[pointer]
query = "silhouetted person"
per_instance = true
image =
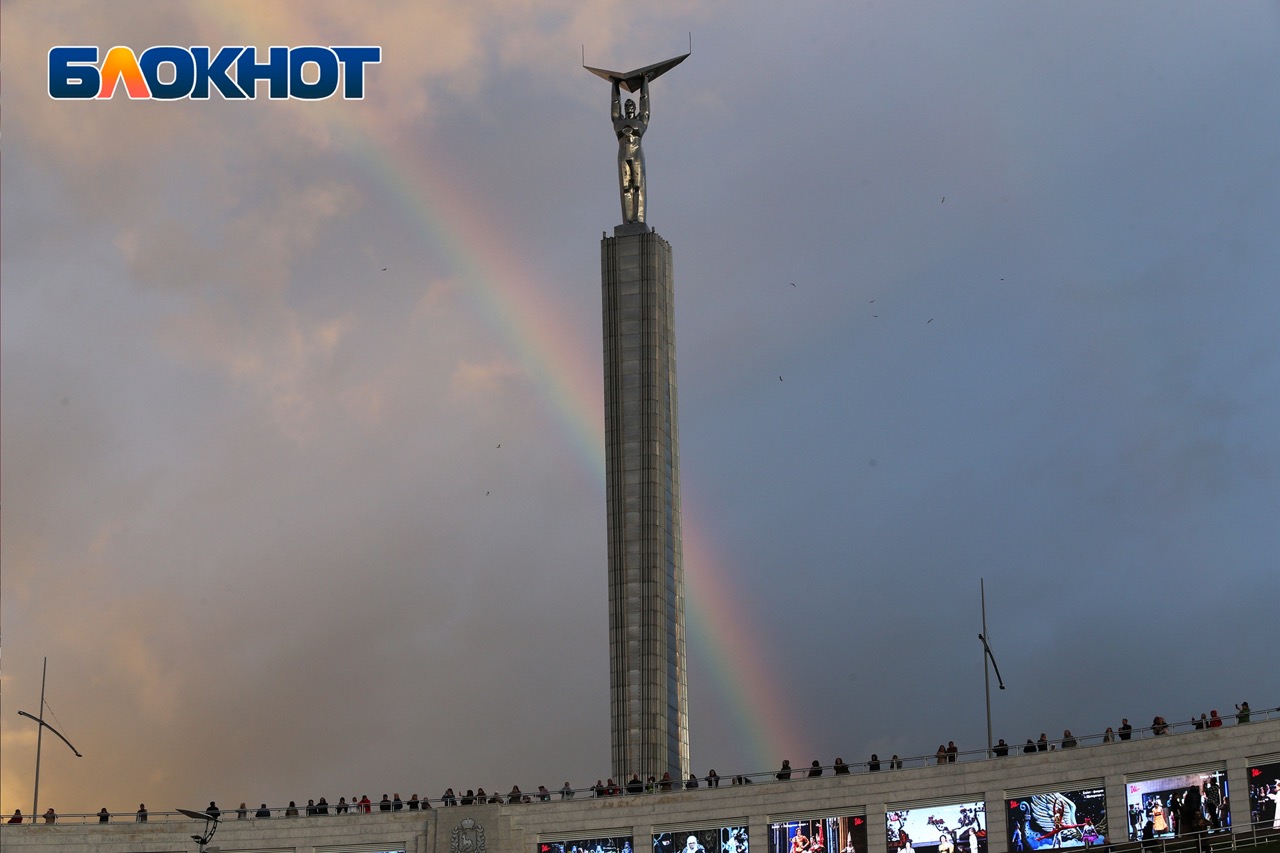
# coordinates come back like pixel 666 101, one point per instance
pixel 840 767
pixel 873 765
pixel 1126 730
pixel 142 813
pixel 104 816
pixel 262 811
pixel 785 773
pixel 1001 749
pixel 815 769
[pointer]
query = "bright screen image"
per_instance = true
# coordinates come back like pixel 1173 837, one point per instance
pixel 722 839
pixel 949 828
pixel 1073 818
pixel 1264 795
pixel 1177 805
pixel 846 834
pixel 611 844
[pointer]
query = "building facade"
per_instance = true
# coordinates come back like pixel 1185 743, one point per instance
pixel 998 805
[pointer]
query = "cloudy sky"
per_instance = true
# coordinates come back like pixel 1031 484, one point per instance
pixel 255 511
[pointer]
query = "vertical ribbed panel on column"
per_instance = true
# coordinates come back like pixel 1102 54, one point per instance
pixel 647 673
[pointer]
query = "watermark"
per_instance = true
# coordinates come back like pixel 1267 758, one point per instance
pixel 170 73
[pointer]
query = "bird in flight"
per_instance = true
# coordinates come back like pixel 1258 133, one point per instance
pixel 779 378
pixel 930 321
pixel 384 269
pixel 944 200
pixel 793 284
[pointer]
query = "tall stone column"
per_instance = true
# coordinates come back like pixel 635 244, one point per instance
pixel 647 673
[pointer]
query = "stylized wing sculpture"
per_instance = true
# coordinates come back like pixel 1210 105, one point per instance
pixel 631 80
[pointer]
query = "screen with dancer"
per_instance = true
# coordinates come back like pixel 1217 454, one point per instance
pixel 721 839
pixel 845 834
pixel 1264 795
pixel 1071 818
pixel 610 844
pixel 1177 805
pixel 948 828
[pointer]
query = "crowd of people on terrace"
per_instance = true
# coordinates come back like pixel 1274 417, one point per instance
pixel 947 754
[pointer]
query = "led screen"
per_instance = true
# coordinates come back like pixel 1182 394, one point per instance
pixel 1071 818
pixel 847 834
pixel 1177 805
pixel 1264 795
pixel 610 844
pixel 722 839
pixel 949 828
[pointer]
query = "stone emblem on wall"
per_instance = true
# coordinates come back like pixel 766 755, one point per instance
pixel 468 837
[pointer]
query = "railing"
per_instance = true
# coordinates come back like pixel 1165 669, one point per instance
pixel 1217 841
pixel 886 765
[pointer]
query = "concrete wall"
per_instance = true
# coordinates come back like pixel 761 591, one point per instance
pixel 518 828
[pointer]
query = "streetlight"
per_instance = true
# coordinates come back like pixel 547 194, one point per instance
pixel 210 827
pixel 35 800
pixel 987 655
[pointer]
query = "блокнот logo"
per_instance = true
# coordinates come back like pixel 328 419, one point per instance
pixel 170 73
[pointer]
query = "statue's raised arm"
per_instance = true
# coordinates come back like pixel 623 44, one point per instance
pixel 629 125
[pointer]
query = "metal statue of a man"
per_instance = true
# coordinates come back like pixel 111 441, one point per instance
pixel 629 124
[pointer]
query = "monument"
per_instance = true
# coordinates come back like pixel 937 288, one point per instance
pixel 648 679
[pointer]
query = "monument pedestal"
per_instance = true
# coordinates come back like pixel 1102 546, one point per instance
pixel 647 674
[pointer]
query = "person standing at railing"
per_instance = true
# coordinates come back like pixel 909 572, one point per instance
pixel 104 816
pixel 1242 712
pixel 17 816
pixel 1126 730
pixel 142 813
pixel 50 816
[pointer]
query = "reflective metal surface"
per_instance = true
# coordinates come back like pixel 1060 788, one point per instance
pixel 629 124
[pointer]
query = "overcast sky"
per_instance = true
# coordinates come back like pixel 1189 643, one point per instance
pixel 964 290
